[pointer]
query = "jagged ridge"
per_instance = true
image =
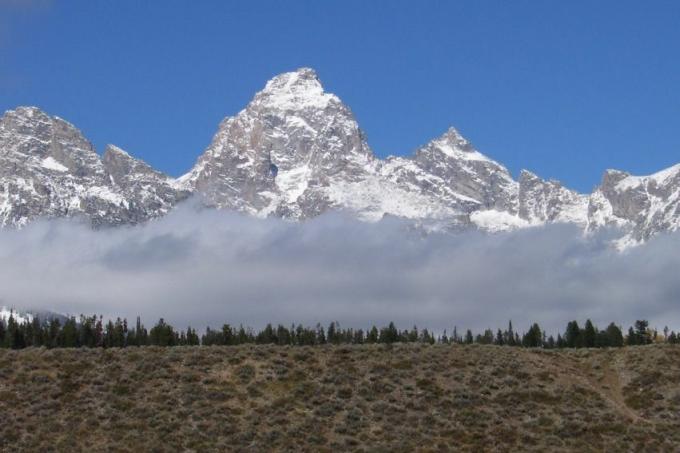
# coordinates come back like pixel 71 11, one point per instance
pixel 296 151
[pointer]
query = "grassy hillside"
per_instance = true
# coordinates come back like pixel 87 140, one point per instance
pixel 372 397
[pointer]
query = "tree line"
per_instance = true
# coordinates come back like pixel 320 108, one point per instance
pixel 92 332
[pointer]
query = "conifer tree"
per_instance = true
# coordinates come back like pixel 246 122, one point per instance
pixel 614 336
pixel 510 335
pixel 390 334
pixel 641 332
pixel 320 334
pixel 550 344
pixel 572 336
pixel 373 335
pixel 673 338
pixel 162 334
pixel 486 338
pixel 500 341
pixel 413 334
pixel 533 338
pixel 589 335
pixel 244 336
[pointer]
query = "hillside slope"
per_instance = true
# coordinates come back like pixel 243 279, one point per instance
pixel 357 398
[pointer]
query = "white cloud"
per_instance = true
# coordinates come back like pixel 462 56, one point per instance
pixel 205 267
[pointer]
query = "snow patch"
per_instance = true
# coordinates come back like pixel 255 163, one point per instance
pixel 105 193
pixel 293 183
pixel 5 314
pixel 51 164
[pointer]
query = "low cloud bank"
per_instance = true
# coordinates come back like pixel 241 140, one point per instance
pixel 204 267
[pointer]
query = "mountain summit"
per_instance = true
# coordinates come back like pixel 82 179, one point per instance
pixel 296 151
pixel 48 169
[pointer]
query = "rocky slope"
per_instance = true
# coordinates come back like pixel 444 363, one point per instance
pixel 296 151
pixel 48 169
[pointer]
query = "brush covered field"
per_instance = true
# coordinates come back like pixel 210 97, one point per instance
pixel 402 397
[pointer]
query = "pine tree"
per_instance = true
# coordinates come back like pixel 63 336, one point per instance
pixel 99 332
pixel 243 336
pixel 533 338
pixel 572 336
pixel 500 341
pixel 373 335
pixel 53 331
pixel 331 335
pixel 14 337
pixel 487 337
pixel 550 344
pixel 35 337
pixel 641 332
pixel 673 338
pixel 614 336
pixel 192 337
pixel 163 334
pixel 125 333
pixel 413 334
pixel 589 335
pixel 510 335
pixel 389 334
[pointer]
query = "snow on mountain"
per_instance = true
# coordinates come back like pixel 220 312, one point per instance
pixel 468 173
pixel 26 316
pixel 48 169
pixel 543 201
pixel 147 192
pixel 19 317
pixel 643 205
pixel 296 151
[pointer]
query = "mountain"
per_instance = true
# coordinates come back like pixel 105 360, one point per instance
pixel 26 316
pixel 296 151
pixel 642 205
pixel 48 169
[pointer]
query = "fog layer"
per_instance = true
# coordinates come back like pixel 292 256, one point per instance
pixel 204 267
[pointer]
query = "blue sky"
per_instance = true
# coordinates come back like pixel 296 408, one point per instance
pixel 565 89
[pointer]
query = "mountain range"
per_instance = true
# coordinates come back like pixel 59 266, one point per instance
pixel 295 152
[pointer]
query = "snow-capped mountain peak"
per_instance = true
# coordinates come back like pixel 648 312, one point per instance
pixel 296 151
pixel 49 169
pixel 645 205
pixel 295 90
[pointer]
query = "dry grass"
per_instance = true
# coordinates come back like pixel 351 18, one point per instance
pixel 407 397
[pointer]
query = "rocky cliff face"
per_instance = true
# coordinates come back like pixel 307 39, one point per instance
pixel 297 151
pixel 148 192
pixel 543 201
pixel 285 154
pixel 643 205
pixel 48 169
